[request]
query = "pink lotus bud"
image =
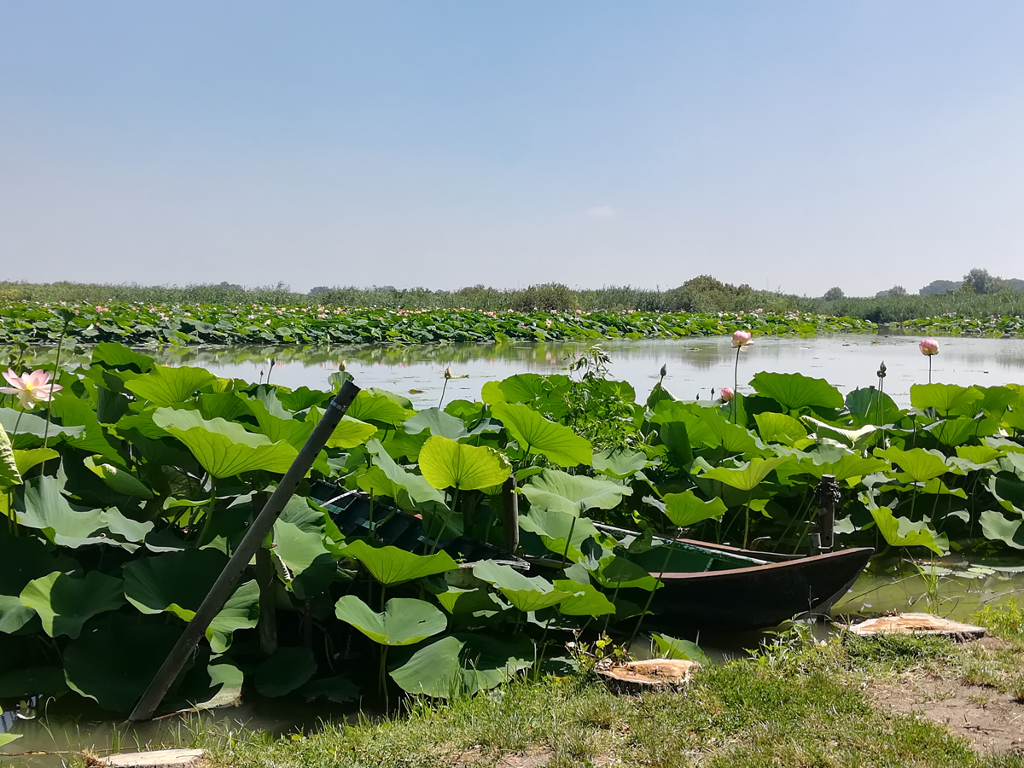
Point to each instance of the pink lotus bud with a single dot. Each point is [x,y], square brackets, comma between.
[727,393]
[929,347]
[741,338]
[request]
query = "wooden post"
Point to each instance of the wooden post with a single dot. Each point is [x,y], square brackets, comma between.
[253,540]
[510,518]
[827,495]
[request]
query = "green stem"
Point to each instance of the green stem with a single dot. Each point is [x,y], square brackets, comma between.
[650,597]
[735,383]
[53,380]
[746,522]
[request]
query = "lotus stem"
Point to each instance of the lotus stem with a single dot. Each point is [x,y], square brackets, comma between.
[735,383]
[53,380]
[650,597]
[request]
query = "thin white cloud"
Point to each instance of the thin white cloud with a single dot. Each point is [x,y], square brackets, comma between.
[600,212]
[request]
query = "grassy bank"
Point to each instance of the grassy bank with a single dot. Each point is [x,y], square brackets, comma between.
[701,294]
[794,702]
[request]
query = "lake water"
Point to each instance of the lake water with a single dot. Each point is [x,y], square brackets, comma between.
[695,366]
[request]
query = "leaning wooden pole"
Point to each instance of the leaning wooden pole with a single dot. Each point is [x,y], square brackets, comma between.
[254,538]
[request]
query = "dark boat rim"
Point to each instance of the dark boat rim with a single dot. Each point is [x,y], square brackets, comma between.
[842,554]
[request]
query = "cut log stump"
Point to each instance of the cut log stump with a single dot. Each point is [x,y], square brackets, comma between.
[918,623]
[634,677]
[164,758]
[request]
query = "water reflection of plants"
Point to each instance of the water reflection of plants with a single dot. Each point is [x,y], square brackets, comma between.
[124,504]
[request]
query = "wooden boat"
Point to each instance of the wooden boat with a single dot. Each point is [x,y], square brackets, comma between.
[706,587]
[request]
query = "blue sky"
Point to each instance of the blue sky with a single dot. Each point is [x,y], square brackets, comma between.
[798,145]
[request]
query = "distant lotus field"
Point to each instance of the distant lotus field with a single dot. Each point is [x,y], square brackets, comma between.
[141,324]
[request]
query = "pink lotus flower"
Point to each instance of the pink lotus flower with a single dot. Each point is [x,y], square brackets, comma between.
[727,394]
[31,388]
[929,347]
[741,338]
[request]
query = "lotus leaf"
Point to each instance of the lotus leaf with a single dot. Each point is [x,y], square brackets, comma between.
[918,464]
[9,470]
[685,509]
[448,464]
[525,593]
[379,409]
[674,648]
[438,423]
[285,671]
[901,532]
[555,528]
[170,386]
[947,399]
[794,391]
[779,428]
[225,449]
[620,463]
[65,603]
[584,600]
[997,528]
[748,476]
[461,664]
[554,489]
[404,621]
[118,479]
[391,565]
[535,434]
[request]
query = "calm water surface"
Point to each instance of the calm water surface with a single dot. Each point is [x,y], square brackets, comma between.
[695,366]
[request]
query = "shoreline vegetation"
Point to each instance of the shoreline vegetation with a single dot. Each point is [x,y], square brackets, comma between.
[848,701]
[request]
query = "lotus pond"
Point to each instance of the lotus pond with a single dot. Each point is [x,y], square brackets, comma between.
[124,499]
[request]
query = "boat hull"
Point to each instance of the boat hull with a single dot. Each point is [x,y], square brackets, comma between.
[756,597]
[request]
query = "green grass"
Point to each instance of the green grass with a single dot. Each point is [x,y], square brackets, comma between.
[795,702]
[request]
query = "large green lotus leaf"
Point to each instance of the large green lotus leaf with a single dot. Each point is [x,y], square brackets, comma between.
[616,571]
[686,508]
[620,463]
[555,528]
[947,399]
[794,390]
[23,427]
[224,448]
[707,426]
[285,671]
[299,546]
[65,603]
[748,476]
[525,593]
[448,464]
[374,481]
[554,489]
[418,487]
[348,434]
[853,438]
[300,399]
[33,457]
[117,479]
[241,611]
[843,466]
[164,385]
[9,473]
[545,393]
[998,528]
[979,454]
[391,565]
[114,660]
[46,509]
[779,428]
[869,406]
[901,532]
[584,600]
[458,601]
[207,686]
[959,430]
[405,620]
[675,648]
[538,435]
[378,408]
[111,354]
[1008,490]
[919,464]
[699,432]
[438,423]
[175,582]
[278,428]
[998,399]
[675,436]
[14,614]
[462,664]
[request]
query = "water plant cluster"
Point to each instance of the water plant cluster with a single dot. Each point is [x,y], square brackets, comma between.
[125,494]
[952,324]
[157,324]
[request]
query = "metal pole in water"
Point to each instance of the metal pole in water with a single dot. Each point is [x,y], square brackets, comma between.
[253,540]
